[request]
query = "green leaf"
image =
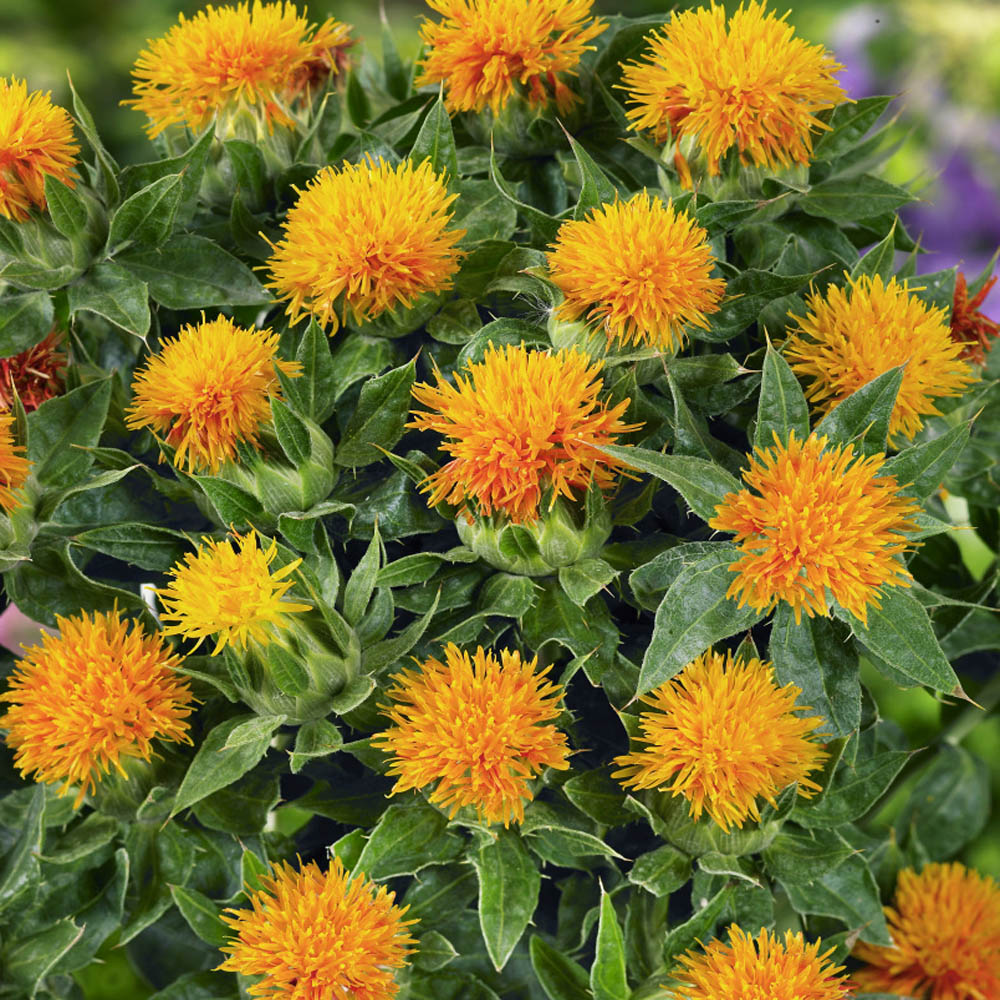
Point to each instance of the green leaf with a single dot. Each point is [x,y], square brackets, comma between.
[855,789]
[880,260]
[286,670]
[583,579]
[436,142]
[250,170]
[920,470]
[783,407]
[434,951]
[66,207]
[233,504]
[359,588]
[703,370]
[20,868]
[729,866]
[147,218]
[508,893]
[746,295]
[698,927]
[292,433]
[560,977]
[385,653]
[215,767]
[543,227]
[25,319]
[407,839]
[314,393]
[379,418]
[318,738]
[608,979]
[201,914]
[147,546]
[27,961]
[864,416]
[722,216]
[596,794]
[596,188]
[694,614]
[112,292]
[661,871]
[852,199]
[571,835]
[254,730]
[801,857]
[849,123]
[506,594]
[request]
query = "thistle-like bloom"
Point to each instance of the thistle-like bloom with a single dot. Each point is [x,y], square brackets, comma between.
[654,284]
[14,467]
[521,422]
[853,335]
[971,328]
[96,694]
[266,56]
[35,374]
[230,593]
[317,935]
[365,238]
[486,51]
[207,389]
[752,87]
[36,141]
[764,966]
[812,519]
[723,734]
[945,922]
[478,726]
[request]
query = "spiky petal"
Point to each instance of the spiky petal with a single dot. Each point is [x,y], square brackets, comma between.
[970,327]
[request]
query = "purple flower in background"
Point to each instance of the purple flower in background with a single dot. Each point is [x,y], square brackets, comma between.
[849,38]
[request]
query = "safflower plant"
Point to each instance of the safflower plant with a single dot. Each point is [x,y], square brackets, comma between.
[479,513]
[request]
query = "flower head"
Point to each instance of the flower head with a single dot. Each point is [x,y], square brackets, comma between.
[945,922]
[488,50]
[654,284]
[723,734]
[747,968]
[521,422]
[853,335]
[478,726]
[751,86]
[365,238]
[267,56]
[317,935]
[36,141]
[35,374]
[969,327]
[94,695]
[230,593]
[14,466]
[207,389]
[820,519]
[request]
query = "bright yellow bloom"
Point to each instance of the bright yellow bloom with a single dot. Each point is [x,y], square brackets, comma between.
[488,50]
[520,423]
[723,734]
[365,238]
[36,141]
[753,87]
[655,282]
[750,968]
[267,56]
[207,389]
[821,519]
[474,725]
[14,466]
[94,695]
[853,335]
[317,935]
[945,922]
[229,592]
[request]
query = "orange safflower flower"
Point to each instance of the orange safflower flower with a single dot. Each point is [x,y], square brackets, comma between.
[654,284]
[14,467]
[853,335]
[267,56]
[207,389]
[521,422]
[761,967]
[486,51]
[315,935]
[723,734]
[970,327]
[820,519]
[35,374]
[36,141]
[365,238]
[476,726]
[96,694]
[945,925]
[750,86]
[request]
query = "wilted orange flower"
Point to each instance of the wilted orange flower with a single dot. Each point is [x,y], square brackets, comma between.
[488,50]
[970,327]
[753,87]
[266,56]
[750,967]
[14,466]
[36,141]
[945,922]
[654,284]
[853,335]
[820,519]
[520,423]
[229,592]
[474,725]
[723,734]
[35,374]
[365,238]
[207,389]
[94,695]
[317,935]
